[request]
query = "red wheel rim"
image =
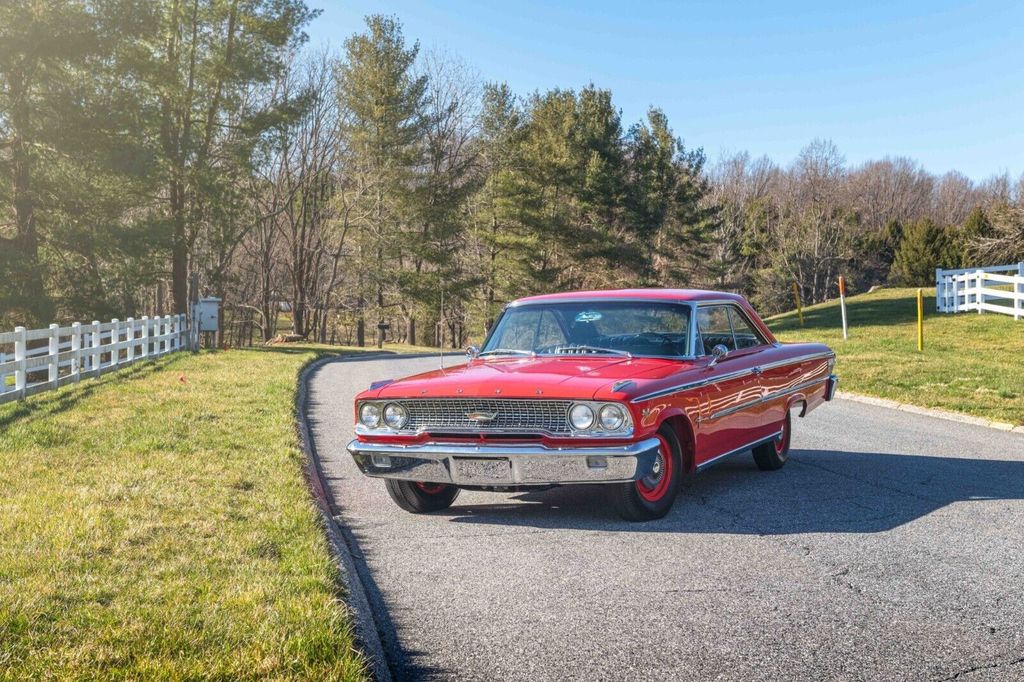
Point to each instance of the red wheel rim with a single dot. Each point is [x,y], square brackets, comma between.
[652,488]
[431,488]
[782,440]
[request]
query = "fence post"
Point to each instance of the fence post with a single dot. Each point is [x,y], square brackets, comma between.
[53,356]
[20,345]
[145,336]
[174,333]
[130,338]
[115,338]
[167,332]
[1019,289]
[979,282]
[95,348]
[940,291]
[76,351]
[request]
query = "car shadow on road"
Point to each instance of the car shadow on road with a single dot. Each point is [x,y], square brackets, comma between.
[819,491]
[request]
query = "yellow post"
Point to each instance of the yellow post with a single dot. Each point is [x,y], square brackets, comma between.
[799,308]
[920,320]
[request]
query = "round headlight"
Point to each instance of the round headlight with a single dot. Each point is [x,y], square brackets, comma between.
[395,415]
[369,415]
[611,417]
[581,417]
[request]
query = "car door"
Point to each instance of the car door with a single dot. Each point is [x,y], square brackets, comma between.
[731,405]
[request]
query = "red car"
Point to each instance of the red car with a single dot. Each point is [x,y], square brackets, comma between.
[630,388]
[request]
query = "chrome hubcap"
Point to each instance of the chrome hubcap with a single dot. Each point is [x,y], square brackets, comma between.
[651,481]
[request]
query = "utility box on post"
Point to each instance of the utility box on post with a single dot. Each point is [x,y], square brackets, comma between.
[207,314]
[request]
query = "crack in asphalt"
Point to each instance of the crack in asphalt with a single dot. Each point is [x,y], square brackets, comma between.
[986,666]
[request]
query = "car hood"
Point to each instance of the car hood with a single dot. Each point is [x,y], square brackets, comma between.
[572,377]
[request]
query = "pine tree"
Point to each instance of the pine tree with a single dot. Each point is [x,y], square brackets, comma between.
[925,246]
[385,126]
[500,246]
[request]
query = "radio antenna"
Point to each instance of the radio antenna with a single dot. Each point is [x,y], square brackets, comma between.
[441,359]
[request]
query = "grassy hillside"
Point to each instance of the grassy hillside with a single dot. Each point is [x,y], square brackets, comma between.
[155,523]
[971,363]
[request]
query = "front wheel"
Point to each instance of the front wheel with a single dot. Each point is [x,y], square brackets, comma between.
[419,498]
[774,454]
[651,497]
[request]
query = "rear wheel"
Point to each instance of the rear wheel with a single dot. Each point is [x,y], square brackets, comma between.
[773,454]
[652,496]
[419,497]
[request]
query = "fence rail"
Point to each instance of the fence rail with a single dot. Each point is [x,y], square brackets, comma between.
[43,359]
[994,289]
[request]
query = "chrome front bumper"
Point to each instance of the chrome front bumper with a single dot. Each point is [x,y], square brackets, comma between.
[505,465]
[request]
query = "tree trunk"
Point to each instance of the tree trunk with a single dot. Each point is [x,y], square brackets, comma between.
[31,296]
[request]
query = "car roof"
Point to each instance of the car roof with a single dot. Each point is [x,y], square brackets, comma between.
[632,294]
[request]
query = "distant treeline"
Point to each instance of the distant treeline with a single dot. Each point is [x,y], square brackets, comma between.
[145,144]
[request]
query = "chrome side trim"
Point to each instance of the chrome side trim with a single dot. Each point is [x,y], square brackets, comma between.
[803,358]
[767,398]
[714,460]
[732,375]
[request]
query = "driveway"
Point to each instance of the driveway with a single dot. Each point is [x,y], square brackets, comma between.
[891,546]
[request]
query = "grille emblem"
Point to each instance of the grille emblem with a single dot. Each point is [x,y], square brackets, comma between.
[481,416]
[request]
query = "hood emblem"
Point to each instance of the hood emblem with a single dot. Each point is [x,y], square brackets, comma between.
[481,416]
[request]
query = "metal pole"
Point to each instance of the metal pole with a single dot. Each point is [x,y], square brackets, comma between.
[842,305]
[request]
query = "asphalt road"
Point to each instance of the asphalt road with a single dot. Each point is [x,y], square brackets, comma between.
[891,546]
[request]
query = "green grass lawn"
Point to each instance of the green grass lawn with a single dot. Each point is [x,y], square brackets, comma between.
[971,363]
[155,523]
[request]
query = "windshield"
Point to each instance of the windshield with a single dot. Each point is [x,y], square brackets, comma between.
[635,328]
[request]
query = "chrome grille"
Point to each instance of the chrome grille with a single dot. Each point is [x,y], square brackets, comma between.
[449,414]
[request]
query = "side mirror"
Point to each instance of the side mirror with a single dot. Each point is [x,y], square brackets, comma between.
[472,352]
[718,352]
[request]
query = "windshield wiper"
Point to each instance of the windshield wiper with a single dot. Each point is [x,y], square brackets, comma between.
[583,348]
[507,351]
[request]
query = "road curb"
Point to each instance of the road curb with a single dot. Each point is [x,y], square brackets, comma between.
[358,604]
[929,412]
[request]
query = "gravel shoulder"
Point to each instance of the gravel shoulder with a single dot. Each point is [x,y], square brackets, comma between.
[891,546]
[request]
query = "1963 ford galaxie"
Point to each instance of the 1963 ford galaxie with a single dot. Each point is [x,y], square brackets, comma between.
[632,388]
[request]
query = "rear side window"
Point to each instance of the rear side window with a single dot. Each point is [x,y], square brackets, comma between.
[725,325]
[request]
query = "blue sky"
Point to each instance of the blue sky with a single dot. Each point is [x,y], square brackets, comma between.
[940,82]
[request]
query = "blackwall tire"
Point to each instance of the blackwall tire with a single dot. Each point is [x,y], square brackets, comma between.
[775,453]
[421,498]
[652,497]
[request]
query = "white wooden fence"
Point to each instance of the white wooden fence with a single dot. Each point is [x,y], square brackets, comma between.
[69,353]
[973,289]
